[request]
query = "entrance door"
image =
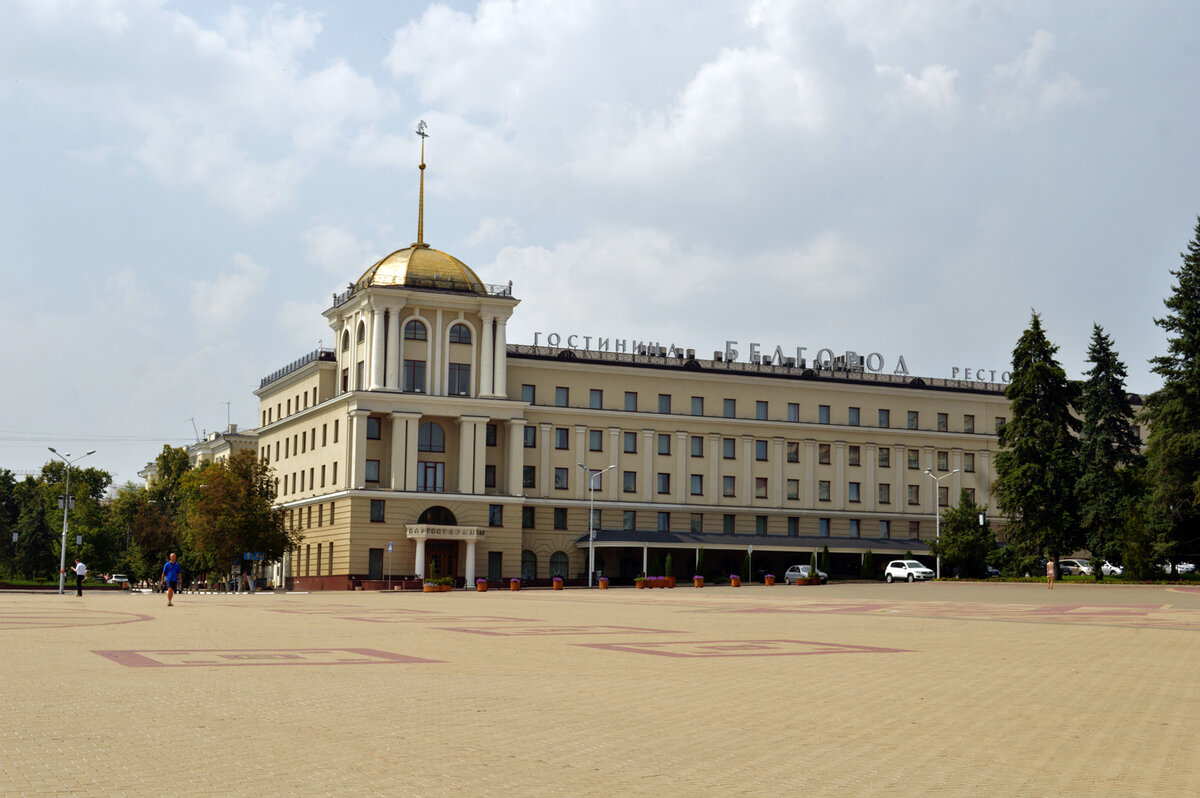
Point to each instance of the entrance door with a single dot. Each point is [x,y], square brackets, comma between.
[494,565]
[375,563]
[441,558]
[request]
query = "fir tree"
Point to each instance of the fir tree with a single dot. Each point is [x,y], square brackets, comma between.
[1038,464]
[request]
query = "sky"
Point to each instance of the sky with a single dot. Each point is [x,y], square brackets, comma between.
[186,184]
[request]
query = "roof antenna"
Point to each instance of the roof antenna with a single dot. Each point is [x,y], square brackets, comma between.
[194,430]
[227,421]
[421,128]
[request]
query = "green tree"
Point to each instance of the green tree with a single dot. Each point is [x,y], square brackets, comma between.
[1037,467]
[1109,451]
[8,519]
[965,543]
[38,542]
[1172,509]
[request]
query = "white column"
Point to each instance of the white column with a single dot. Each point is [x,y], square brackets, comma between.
[378,349]
[648,474]
[501,360]
[681,491]
[614,448]
[469,576]
[871,499]
[777,456]
[984,483]
[899,484]
[516,456]
[392,372]
[481,455]
[581,454]
[437,368]
[358,449]
[839,475]
[486,351]
[466,454]
[714,469]
[747,492]
[420,558]
[810,469]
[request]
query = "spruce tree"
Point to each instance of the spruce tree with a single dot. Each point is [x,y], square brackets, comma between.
[1172,506]
[1037,466]
[1109,447]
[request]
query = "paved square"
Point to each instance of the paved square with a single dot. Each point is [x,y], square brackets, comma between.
[849,689]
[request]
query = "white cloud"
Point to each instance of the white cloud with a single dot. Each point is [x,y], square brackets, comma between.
[124,299]
[220,304]
[338,251]
[303,326]
[493,230]
[931,92]
[1019,91]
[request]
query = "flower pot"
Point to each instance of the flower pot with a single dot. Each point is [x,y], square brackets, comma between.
[768,580]
[481,587]
[698,581]
[604,583]
[641,584]
[735,581]
[670,581]
[557,584]
[428,589]
[515,584]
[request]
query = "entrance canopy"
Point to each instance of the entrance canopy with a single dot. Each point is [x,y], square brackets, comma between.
[619,538]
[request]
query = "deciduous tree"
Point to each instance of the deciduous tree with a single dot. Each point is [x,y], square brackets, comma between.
[965,543]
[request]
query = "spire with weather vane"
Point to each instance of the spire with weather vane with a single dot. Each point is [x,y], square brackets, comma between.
[421,127]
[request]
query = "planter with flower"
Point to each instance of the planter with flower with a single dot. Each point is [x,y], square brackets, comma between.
[698,581]
[557,582]
[514,584]
[735,580]
[603,581]
[481,585]
[769,579]
[639,582]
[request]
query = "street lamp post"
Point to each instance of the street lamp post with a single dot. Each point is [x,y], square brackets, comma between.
[62,563]
[591,513]
[937,513]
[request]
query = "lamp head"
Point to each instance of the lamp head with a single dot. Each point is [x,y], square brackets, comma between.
[93,451]
[51,448]
[929,472]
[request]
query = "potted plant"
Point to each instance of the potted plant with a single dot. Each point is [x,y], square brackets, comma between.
[670,572]
[698,581]
[514,584]
[640,582]
[768,579]
[603,581]
[735,580]
[557,582]
[481,585]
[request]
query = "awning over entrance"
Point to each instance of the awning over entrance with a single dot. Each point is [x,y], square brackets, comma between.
[423,532]
[616,538]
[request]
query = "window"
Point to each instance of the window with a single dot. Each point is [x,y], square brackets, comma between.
[697,446]
[431,477]
[362,332]
[334,480]
[630,481]
[823,490]
[943,497]
[664,403]
[460,334]
[561,478]
[359,376]
[914,530]
[558,564]
[664,443]
[728,486]
[729,408]
[823,414]
[970,495]
[372,471]
[793,451]
[489,476]
[697,484]
[914,494]
[760,525]
[854,455]
[885,493]
[495,515]
[697,405]
[793,411]
[885,457]
[852,493]
[760,451]
[346,341]
[968,423]
[562,396]
[854,527]
[793,526]
[322,476]
[528,476]
[415,331]
[372,428]
[823,450]
[414,376]
[376,511]
[760,487]
[852,417]
[527,518]
[561,438]
[969,462]
[823,527]
[560,517]
[629,520]
[760,411]
[914,459]
[793,489]
[727,523]
[630,439]
[489,435]
[728,449]
[528,393]
[431,438]
[460,380]
[696,522]
[324,434]
[885,529]
[530,436]
[885,419]
[943,422]
[664,522]
[999,423]
[596,399]
[528,564]
[913,418]
[943,461]
[595,440]
[631,401]
[664,483]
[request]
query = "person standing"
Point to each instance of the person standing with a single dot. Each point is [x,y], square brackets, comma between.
[1050,573]
[80,573]
[170,578]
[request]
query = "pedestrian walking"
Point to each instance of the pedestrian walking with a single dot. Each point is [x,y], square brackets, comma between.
[170,578]
[1050,574]
[80,573]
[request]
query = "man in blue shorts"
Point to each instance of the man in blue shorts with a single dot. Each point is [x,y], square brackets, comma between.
[170,579]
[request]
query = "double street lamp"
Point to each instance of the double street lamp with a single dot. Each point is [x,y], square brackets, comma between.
[937,512]
[592,474]
[62,563]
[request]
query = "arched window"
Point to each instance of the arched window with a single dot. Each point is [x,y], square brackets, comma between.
[431,438]
[362,332]
[558,565]
[460,334]
[528,565]
[437,516]
[345,340]
[415,331]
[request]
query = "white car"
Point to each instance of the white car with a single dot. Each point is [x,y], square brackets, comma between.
[1074,567]
[1185,568]
[909,570]
[1108,569]
[118,579]
[801,572]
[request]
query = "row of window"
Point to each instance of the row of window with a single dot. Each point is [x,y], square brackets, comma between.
[562,398]
[414,330]
[300,442]
[302,517]
[271,414]
[287,484]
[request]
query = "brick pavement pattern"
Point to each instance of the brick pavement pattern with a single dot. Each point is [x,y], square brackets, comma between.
[852,689]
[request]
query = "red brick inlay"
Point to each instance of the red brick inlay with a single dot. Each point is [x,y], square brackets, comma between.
[206,658]
[696,649]
[554,630]
[52,618]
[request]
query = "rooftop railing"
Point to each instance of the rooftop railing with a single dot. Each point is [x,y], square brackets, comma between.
[311,357]
[433,284]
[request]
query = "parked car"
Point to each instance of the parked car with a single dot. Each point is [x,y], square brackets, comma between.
[990,570]
[1185,568]
[118,579]
[801,572]
[1074,567]
[1108,569]
[909,570]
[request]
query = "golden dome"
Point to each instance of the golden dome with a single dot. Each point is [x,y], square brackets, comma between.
[419,266]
